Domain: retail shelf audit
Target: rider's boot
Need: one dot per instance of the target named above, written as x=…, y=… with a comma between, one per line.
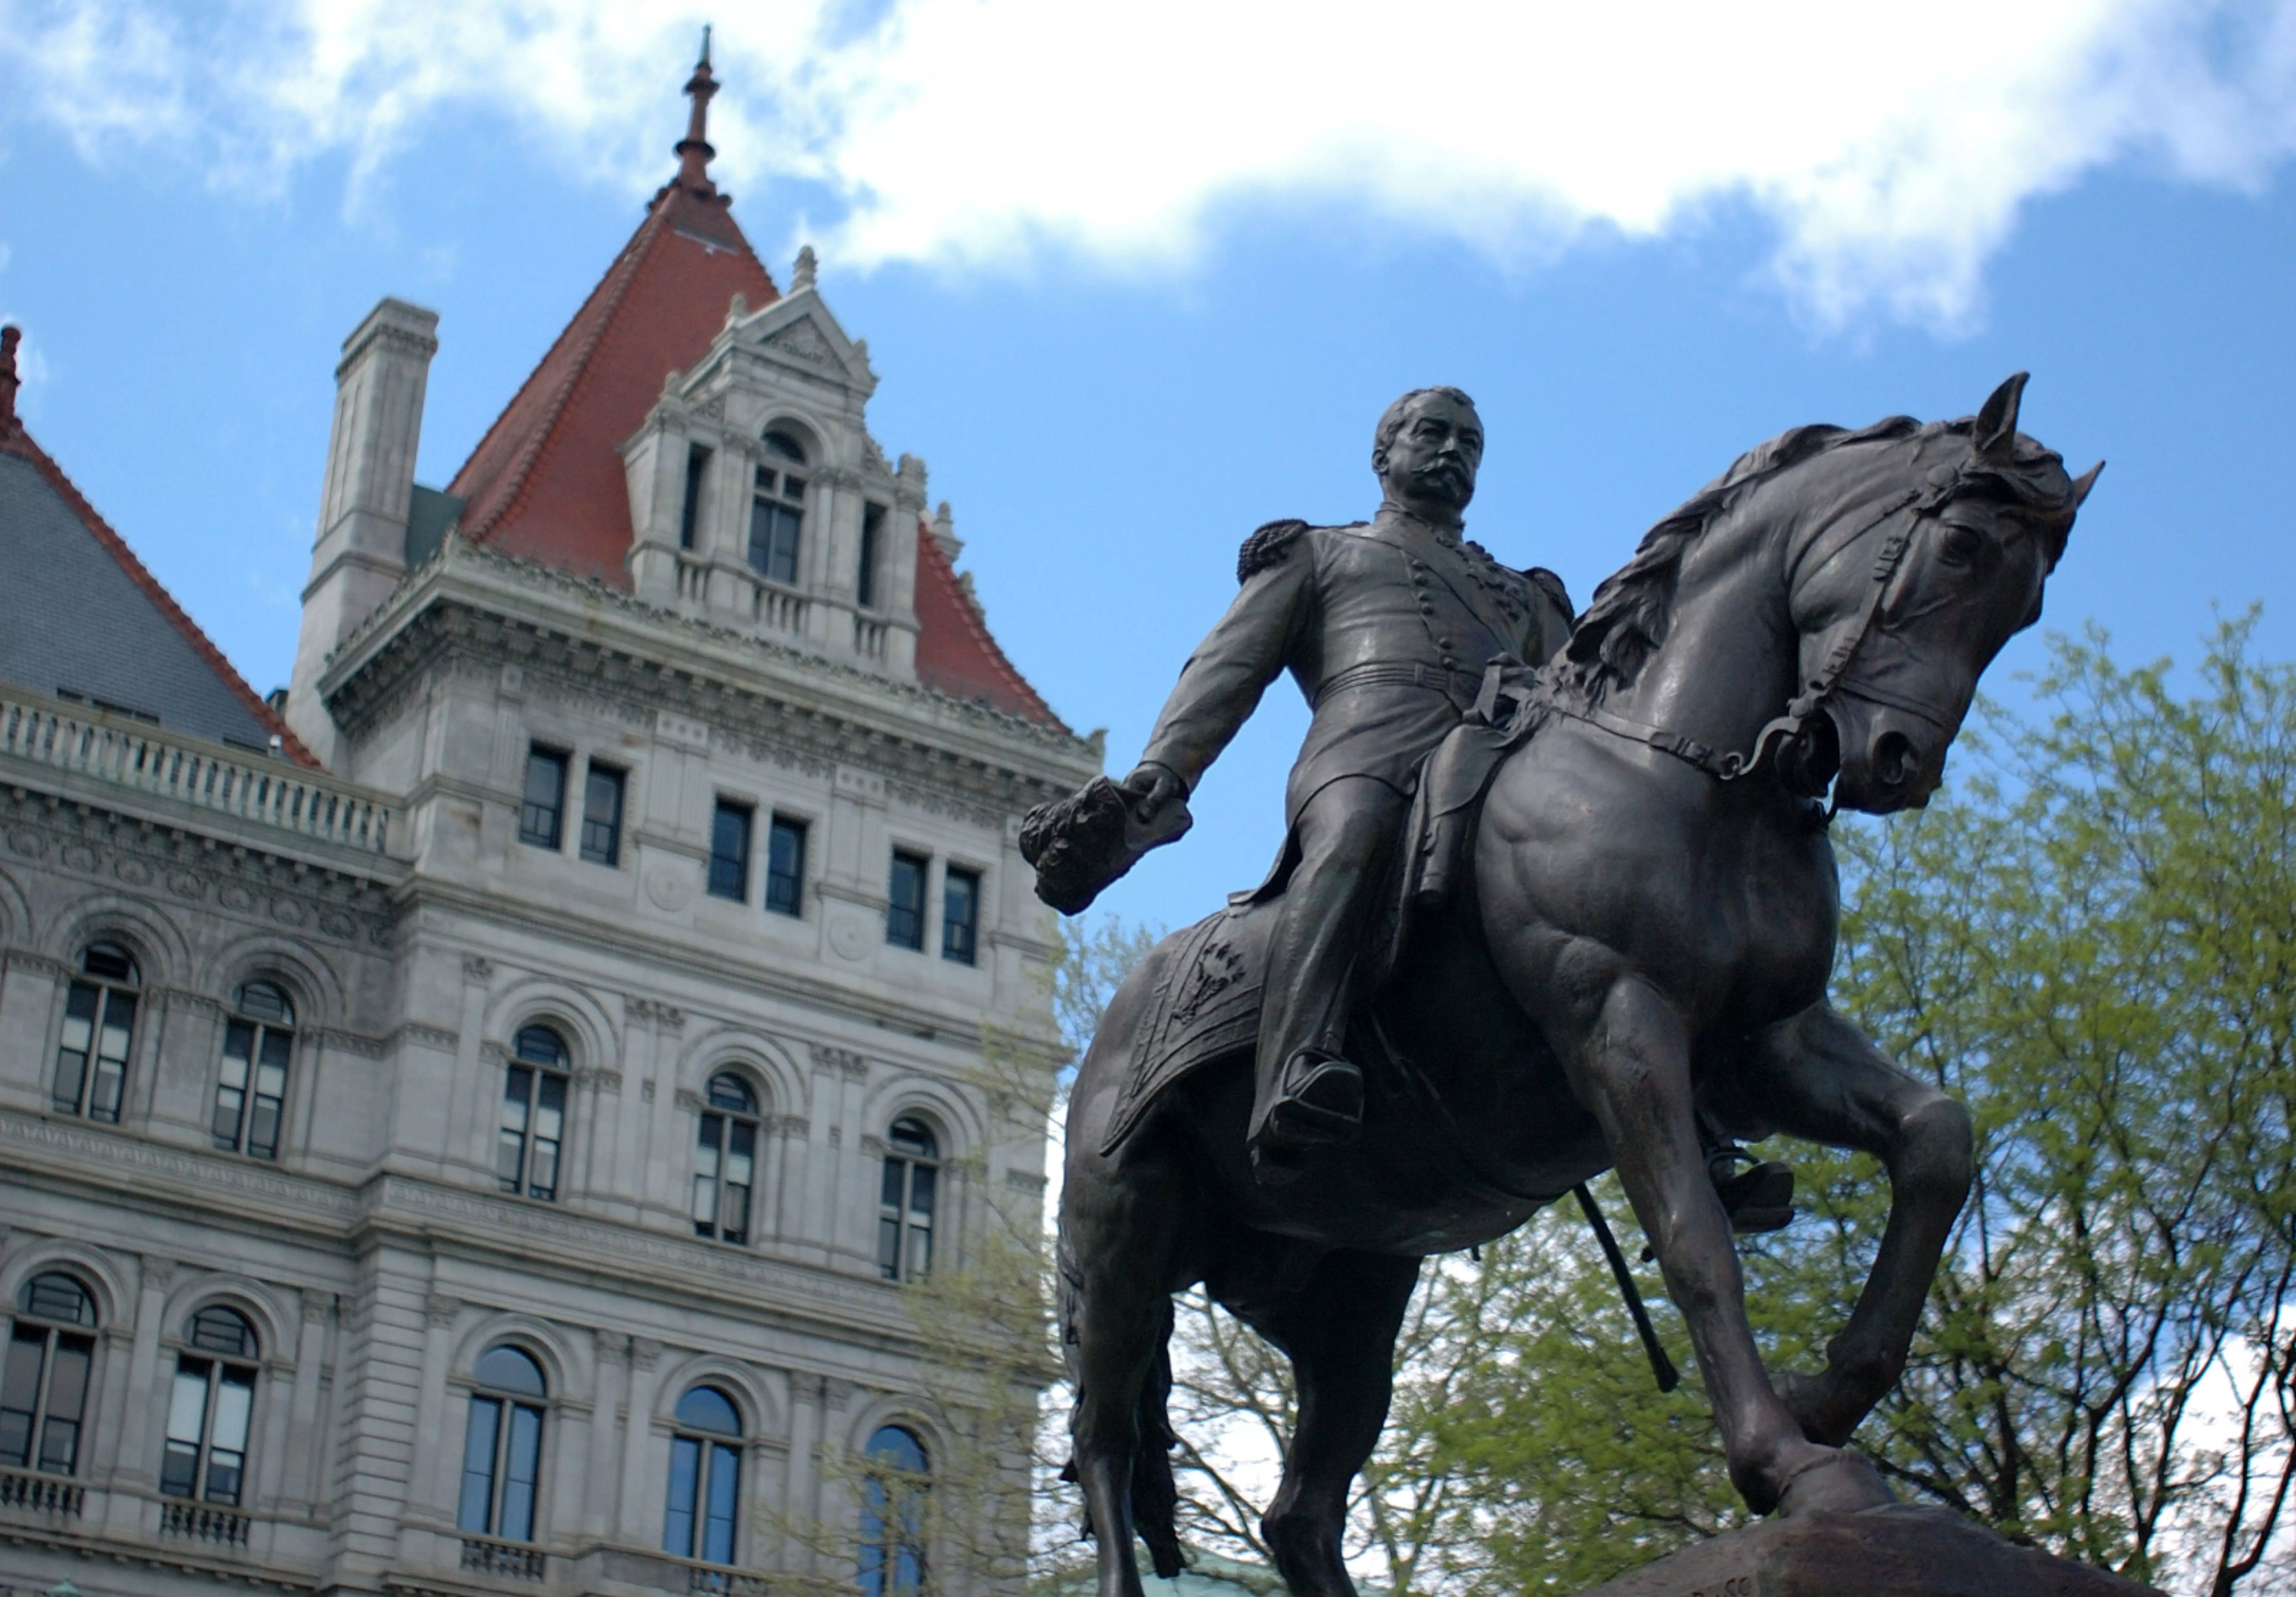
x=1316, y=1100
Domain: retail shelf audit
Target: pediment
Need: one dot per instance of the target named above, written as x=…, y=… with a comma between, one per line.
x=801, y=331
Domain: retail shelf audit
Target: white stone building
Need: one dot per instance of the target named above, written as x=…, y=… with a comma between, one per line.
x=461, y=1134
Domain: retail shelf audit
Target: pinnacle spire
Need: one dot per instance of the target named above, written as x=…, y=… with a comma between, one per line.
x=8, y=384
x=694, y=150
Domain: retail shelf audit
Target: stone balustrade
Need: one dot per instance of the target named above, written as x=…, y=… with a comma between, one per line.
x=103, y=746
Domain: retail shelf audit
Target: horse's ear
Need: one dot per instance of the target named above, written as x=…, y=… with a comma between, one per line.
x=1997, y=421
x=2084, y=482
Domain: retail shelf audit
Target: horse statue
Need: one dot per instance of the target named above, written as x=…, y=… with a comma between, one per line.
x=1641, y=934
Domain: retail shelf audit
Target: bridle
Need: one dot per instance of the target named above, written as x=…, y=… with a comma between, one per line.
x=1728, y=766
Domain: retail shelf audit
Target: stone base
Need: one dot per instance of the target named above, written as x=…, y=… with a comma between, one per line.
x=1897, y=1551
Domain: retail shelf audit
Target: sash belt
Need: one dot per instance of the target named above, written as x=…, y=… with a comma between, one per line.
x=1379, y=673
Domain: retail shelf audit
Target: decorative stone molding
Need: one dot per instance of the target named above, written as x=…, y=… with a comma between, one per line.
x=690, y=1100
x=851, y=1065
x=794, y=1126
x=440, y=1309
x=836, y=1392
x=350, y=1042
x=477, y=969
x=159, y=1273
x=604, y=1080
x=645, y=1353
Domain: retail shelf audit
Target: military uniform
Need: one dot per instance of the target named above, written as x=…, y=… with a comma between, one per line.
x=1387, y=626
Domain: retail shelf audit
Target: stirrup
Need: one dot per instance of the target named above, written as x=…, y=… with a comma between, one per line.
x=1319, y=1100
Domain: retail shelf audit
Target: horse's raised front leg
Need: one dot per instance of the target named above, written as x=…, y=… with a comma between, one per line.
x=1339, y=1330
x=1631, y=1067
x=1817, y=1077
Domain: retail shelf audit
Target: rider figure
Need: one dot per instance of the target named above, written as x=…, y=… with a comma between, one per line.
x=1387, y=626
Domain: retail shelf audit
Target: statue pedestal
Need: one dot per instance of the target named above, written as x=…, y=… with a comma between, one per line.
x=1896, y=1551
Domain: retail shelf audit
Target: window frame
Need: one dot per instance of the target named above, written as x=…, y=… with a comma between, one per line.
x=216, y=1368
x=50, y=1335
x=539, y=1072
x=898, y=915
x=736, y=866
x=883, y=1513
x=729, y=1123
x=777, y=508
x=706, y=1446
x=599, y=842
x=106, y=994
x=261, y=1033
x=697, y=484
x=867, y=584
x=974, y=880
x=912, y=1228
x=797, y=828
x=552, y=840
x=506, y=1406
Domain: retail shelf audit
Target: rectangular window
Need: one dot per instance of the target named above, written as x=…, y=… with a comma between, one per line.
x=601, y=815
x=776, y=515
x=689, y=517
x=904, y=908
x=960, y=914
x=92, y=1058
x=533, y=1129
x=542, y=818
x=873, y=532
x=729, y=851
x=785, y=867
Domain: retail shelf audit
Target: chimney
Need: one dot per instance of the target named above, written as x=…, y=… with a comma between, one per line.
x=361, y=552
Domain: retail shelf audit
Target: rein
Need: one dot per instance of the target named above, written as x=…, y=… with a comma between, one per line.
x=1732, y=764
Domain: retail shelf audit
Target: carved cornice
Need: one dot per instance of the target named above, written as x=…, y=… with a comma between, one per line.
x=149, y=861
x=435, y=619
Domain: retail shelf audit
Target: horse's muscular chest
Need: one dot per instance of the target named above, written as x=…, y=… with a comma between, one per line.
x=1595, y=865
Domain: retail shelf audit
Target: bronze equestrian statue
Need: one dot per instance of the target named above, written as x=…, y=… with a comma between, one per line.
x=1610, y=921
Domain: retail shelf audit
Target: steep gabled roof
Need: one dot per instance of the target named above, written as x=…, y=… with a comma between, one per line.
x=546, y=480
x=955, y=652
x=80, y=616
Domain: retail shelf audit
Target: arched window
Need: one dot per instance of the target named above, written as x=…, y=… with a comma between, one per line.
x=726, y=1161
x=501, y=1451
x=777, y=509
x=211, y=1408
x=533, y=1114
x=893, y=1498
x=44, y=1385
x=99, y=1026
x=705, y=1477
x=257, y=1042
x=904, y=1214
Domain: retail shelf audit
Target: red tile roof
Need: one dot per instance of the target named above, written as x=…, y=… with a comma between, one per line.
x=546, y=480
x=14, y=440
x=955, y=652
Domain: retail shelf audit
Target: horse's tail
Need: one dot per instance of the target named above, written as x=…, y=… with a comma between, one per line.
x=1155, y=1495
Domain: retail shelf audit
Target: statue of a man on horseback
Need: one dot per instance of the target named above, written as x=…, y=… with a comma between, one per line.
x=1631, y=960
x=1388, y=627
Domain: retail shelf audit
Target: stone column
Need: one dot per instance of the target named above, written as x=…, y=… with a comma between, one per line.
x=306, y=1443
x=134, y=1391
x=430, y=1469
x=642, y=1501
x=801, y=1489
x=611, y=1355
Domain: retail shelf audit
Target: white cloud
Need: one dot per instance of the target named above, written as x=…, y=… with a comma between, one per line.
x=1892, y=145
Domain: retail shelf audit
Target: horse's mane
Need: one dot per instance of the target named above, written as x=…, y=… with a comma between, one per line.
x=1628, y=618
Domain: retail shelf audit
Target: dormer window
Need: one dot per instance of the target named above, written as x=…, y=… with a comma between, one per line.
x=777, y=509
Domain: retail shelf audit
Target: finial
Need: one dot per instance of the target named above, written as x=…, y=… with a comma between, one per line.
x=736, y=308
x=693, y=150
x=9, y=338
x=801, y=274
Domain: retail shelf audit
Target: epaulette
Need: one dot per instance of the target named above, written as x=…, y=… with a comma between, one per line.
x=1549, y=584
x=1267, y=545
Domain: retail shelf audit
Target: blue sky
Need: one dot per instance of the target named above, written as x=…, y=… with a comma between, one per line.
x=1139, y=279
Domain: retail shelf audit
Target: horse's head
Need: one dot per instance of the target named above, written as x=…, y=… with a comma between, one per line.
x=1903, y=595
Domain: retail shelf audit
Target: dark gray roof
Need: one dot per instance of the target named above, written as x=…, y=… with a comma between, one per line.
x=75, y=619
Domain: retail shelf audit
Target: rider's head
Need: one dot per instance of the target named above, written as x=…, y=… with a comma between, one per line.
x=1425, y=450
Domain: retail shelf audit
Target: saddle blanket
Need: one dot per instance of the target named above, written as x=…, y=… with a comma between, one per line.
x=1205, y=1005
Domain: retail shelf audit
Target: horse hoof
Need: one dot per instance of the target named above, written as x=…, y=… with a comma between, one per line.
x=1841, y=1484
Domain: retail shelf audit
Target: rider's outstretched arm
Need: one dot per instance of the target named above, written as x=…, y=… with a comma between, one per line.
x=1220, y=685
